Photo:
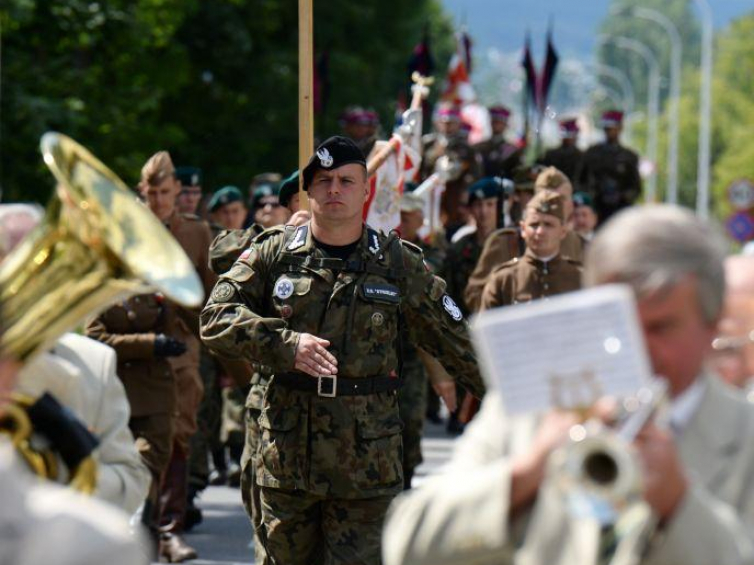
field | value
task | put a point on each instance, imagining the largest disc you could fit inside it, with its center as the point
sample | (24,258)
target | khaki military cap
(157,168)
(547,202)
(411,203)
(551,178)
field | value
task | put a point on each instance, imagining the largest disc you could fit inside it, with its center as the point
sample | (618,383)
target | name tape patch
(382,293)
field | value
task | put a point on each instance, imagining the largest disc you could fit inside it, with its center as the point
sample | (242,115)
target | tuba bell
(96,245)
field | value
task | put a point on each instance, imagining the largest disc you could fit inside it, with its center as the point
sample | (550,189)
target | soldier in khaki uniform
(499,157)
(506,244)
(159,188)
(324,306)
(542,271)
(140,330)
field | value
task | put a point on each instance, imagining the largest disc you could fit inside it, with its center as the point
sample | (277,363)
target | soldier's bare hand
(665,481)
(447,391)
(299,218)
(313,358)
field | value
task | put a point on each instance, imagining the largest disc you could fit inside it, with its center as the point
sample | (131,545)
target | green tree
(213,81)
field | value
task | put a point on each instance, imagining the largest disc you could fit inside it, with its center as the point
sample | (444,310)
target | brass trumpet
(600,477)
(96,245)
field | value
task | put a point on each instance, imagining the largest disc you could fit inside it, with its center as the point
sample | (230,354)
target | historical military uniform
(567,158)
(465,166)
(610,173)
(130,328)
(332,445)
(194,236)
(530,277)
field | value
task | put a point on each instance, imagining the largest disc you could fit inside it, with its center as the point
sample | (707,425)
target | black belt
(332,385)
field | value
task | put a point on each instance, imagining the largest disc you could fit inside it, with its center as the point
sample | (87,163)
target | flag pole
(305,91)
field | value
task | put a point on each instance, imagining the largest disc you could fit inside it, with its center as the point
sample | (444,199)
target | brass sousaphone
(97,244)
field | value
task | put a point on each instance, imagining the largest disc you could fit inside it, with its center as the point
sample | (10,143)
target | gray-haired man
(698,478)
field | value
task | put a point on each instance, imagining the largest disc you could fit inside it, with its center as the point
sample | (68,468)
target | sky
(503,23)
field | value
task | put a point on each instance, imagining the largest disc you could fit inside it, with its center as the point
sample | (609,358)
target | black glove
(166,346)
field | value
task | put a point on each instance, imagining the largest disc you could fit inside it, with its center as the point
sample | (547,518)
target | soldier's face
(270,212)
(499,126)
(584,219)
(231,216)
(542,233)
(677,336)
(411,222)
(188,199)
(340,194)
(449,127)
(161,198)
(484,212)
(612,133)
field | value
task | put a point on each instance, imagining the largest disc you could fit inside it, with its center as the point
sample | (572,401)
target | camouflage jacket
(282,286)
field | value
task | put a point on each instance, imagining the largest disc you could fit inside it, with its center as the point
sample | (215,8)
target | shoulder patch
(412,247)
(299,238)
(373,239)
(452,308)
(223,292)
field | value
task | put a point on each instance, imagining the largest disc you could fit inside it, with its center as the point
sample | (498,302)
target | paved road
(224,538)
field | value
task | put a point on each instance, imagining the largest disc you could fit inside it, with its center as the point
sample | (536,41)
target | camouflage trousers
(305,529)
(412,403)
(249,462)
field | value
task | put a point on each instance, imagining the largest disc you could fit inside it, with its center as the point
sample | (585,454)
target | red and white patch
(245,255)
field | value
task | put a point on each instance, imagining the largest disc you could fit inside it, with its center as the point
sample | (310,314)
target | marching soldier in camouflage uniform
(499,157)
(324,305)
(566,158)
(611,172)
(542,271)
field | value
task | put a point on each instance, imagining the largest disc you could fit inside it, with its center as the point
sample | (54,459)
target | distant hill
(503,23)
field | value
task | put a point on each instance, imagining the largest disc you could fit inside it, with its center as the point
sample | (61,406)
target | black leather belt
(331,386)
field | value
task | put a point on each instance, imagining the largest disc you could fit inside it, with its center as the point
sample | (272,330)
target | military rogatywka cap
(189,176)
(332,154)
(225,195)
(288,188)
(547,202)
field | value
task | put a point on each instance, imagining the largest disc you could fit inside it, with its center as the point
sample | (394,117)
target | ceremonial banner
(382,209)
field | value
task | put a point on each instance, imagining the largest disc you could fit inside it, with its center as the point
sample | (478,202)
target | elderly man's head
(734,347)
(674,263)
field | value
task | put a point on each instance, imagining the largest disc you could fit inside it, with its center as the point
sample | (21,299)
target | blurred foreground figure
(734,347)
(44,523)
(493,503)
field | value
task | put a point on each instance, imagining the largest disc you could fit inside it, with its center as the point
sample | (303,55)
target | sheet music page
(564,351)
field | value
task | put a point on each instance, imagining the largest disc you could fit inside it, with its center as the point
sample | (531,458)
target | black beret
(333,153)
(488,187)
(288,188)
(189,176)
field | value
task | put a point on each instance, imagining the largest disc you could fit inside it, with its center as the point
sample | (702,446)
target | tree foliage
(213,81)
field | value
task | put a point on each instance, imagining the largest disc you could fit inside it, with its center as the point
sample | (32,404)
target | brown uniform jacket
(195,237)
(130,328)
(527,278)
(502,246)
(499,158)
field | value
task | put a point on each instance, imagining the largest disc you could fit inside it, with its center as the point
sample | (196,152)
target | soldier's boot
(193,515)
(174,549)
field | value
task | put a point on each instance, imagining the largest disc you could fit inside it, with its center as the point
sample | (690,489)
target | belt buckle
(334,392)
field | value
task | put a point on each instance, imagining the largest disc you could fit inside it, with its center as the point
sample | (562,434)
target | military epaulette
(412,247)
(268,233)
(505,265)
